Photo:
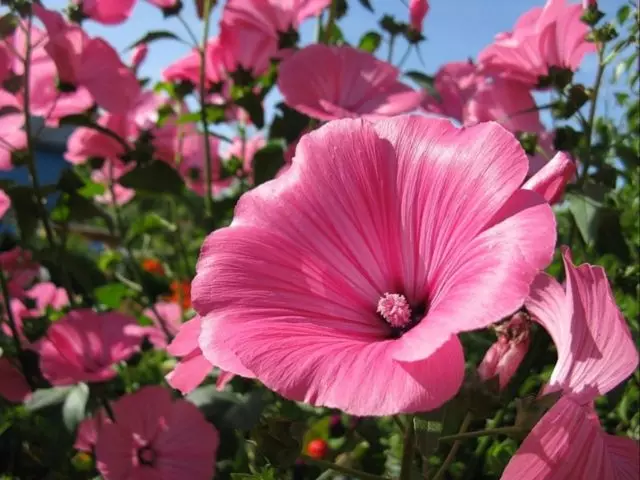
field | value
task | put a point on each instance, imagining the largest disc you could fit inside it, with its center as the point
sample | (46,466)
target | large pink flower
(345,281)
(12,136)
(84,345)
(155,437)
(595,353)
(340,82)
(455,83)
(553,36)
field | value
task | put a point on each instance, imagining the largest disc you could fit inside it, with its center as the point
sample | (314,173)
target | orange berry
(317,448)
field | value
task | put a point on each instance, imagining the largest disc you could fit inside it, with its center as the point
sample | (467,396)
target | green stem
(592,115)
(341,469)
(405,56)
(454,448)
(330,22)
(208,175)
(14,327)
(482,433)
(33,171)
(392,42)
(408,451)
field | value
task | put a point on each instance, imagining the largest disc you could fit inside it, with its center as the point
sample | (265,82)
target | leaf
(111,294)
(46,397)
(153,36)
(73,409)
(586,208)
(26,209)
(228,410)
(428,431)
(366,4)
(424,81)
(370,42)
(8,24)
(250,102)
(266,473)
(149,223)
(85,274)
(288,124)
(266,162)
(623,14)
(155,178)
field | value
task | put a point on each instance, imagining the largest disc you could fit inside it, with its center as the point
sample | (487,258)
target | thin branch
(454,449)
(341,469)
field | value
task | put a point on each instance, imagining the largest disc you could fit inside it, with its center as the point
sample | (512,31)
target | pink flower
(338,82)
(86,142)
(418,9)
(188,67)
(44,295)
(587,4)
(455,83)
(87,434)
(553,36)
(375,249)
(507,102)
(5,203)
(12,136)
(107,175)
(595,353)
(13,386)
(155,437)
(193,367)
(84,345)
(21,270)
(19,312)
(169,315)
(245,151)
(249,48)
(551,180)
(138,55)
(192,166)
(506,354)
(108,12)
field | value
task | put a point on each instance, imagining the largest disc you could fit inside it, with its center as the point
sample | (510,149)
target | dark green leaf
(366,4)
(8,24)
(229,410)
(25,208)
(391,26)
(150,223)
(155,178)
(266,163)
(341,8)
(370,42)
(586,207)
(111,295)
(84,273)
(424,81)
(153,36)
(428,431)
(623,14)
(74,406)
(266,473)
(47,397)
(288,124)
(250,102)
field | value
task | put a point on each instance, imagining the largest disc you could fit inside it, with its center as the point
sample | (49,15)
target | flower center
(146,456)
(395,310)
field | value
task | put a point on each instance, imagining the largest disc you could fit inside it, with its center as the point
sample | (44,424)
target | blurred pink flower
(155,437)
(5,63)
(551,180)
(108,12)
(504,357)
(87,434)
(13,386)
(507,102)
(455,83)
(138,55)
(418,9)
(44,295)
(187,68)
(339,82)
(12,136)
(85,143)
(19,312)
(553,36)
(342,276)
(249,48)
(544,152)
(83,346)
(595,353)
(5,203)
(169,314)
(192,165)
(109,174)
(21,270)
(245,151)
(193,367)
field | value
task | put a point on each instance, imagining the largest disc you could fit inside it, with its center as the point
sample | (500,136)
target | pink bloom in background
(87,434)
(84,345)
(21,270)
(19,312)
(455,83)
(507,102)
(379,244)
(139,55)
(249,48)
(12,136)
(5,203)
(245,151)
(551,180)
(109,174)
(5,63)
(338,82)
(170,314)
(553,36)
(108,12)
(86,142)
(418,9)
(46,294)
(155,437)
(595,353)
(506,354)
(13,386)
(188,67)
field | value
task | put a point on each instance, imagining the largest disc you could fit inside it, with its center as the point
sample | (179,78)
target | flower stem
(408,451)
(339,468)
(482,433)
(454,449)
(328,30)
(14,327)
(208,199)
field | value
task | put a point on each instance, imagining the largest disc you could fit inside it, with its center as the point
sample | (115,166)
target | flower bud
(551,179)
(505,355)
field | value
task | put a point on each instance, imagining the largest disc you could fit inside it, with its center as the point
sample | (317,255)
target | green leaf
(47,397)
(586,208)
(428,432)
(8,24)
(288,124)
(150,223)
(153,36)
(229,410)
(266,162)
(250,102)
(74,406)
(366,4)
(111,295)
(155,178)
(370,42)
(623,14)
(84,273)
(424,81)
(25,209)
(266,473)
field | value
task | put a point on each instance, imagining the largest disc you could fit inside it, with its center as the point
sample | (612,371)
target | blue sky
(456,30)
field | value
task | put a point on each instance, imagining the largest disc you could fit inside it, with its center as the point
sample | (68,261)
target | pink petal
(144,413)
(190,372)
(116,457)
(170,313)
(418,9)
(595,348)
(551,179)
(569,443)
(85,142)
(5,203)
(11,132)
(455,83)
(108,12)
(13,386)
